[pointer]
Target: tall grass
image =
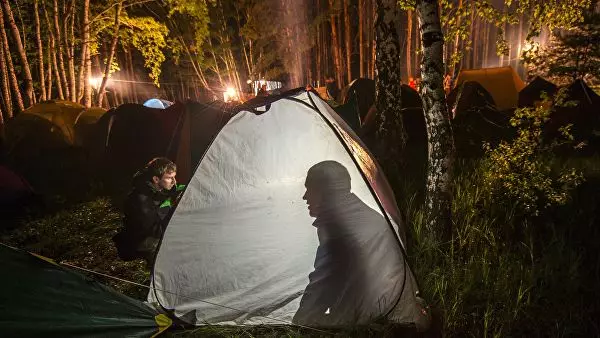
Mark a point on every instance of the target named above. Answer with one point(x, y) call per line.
point(507, 274)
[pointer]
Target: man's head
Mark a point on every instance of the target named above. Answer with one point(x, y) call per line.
point(325, 182)
point(161, 172)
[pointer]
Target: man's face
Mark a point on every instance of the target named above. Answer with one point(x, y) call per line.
point(313, 198)
point(166, 182)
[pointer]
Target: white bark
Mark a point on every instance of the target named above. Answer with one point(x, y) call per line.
point(388, 82)
point(439, 132)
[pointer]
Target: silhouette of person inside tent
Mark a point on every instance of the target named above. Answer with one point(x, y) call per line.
point(358, 264)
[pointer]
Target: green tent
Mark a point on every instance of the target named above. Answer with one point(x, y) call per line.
point(42, 298)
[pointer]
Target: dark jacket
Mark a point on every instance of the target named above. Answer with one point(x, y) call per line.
point(146, 212)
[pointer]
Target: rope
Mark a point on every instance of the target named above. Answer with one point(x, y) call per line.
point(192, 298)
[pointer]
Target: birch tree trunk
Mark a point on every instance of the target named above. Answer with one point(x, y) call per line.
point(12, 77)
point(38, 38)
point(85, 90)
point(348, 41)
point(5, 80)
point(60, 52)
point(388, 102)
point(439, 132)
point(22, 55)
point(111, 54)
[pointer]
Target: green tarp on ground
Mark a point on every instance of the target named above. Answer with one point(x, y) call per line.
point(40, 298)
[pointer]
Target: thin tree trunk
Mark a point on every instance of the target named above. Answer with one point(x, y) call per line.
point(520, 45)
point(408, 43)
point(469, 56)
point(5, 79)
point(388, 96)
point(439, 132)
point(54, 64)
point(26, 71)
point(486, 44)
point(348, 41)
point(49, 75)
point(61, 62)
point(476, 39)
point(335, 45)
point(113, 47)
point(373, 38)
point(319, 47)
point(12, 77)
point(38, 38)
point(69, 49)
point(501, 58)
point(456, 39)
point(361, 46)
point(84, 47)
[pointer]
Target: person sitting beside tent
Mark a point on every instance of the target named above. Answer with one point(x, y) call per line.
point(146, 209)
point(263, 90)
point(346, 282)
point(332, 89)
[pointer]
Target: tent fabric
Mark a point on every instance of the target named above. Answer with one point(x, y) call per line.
point(242, 247)
point(158, 103)
point(584, 116)
point(40, 298)
point(199, 126)
point(132, 134)
point(502, 83)
point(467, 96)
point(361, 91)
point(64, 115)
point(532, 93)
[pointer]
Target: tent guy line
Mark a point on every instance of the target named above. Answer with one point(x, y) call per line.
point(192, 298)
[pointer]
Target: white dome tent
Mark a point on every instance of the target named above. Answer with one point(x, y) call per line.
point(158, 103)
point(243, 248)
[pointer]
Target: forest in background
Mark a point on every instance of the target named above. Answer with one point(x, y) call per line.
point(132, 50)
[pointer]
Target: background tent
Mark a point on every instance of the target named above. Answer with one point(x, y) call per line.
point(40, 298)
point(158, 103)
point(241, 243)
point(44, 144)
point(128, 137)
point(584, 116)
point(131, 135)
point(62, 115)
point(502, 83)
point(361, 91)
point(532, 93)
point(469, 95)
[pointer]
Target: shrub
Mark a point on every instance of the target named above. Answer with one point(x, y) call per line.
point(521, 170)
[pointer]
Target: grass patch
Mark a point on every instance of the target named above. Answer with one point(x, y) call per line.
point(81, 235)
point(505, 274)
